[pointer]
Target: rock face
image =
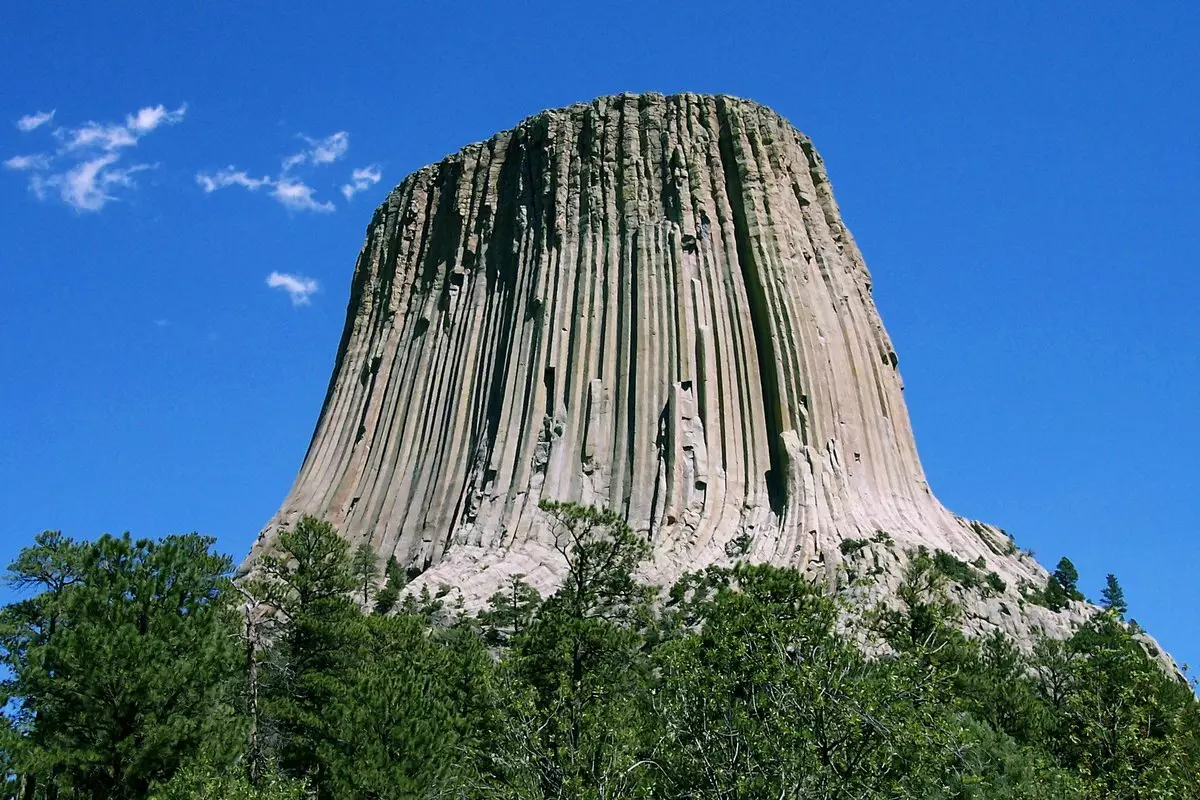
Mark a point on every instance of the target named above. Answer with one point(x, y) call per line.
point(645, 302)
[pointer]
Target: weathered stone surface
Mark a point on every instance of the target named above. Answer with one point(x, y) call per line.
point(646, 302)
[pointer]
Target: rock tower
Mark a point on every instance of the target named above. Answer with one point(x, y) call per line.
point(644, 302)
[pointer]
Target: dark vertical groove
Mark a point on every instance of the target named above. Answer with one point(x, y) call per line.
point(501, 274)
point(760, 321)
point(631, 399)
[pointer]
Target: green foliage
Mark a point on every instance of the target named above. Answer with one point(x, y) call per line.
point(1125, 726)
point(1054, 596)
point(121, 665)
point(602, 554)
point(321, 636)
point(994, 766)
point(573, 682)
point(210, 782)
point(364, 567)
point(509, 612)
point(394, 580)
point(956, 569)
point(995, 583)
point(1113, 596)
point(1067, 577)
point(851, 546)
point(967, 575)
point(1060, 589)
point(397, 723)
point(765, 697)
point(745, 683)
point(925, 619)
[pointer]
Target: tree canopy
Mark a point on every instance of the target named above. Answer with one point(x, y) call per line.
point(136, 669)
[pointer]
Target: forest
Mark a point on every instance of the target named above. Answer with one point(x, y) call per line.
point(137, 668)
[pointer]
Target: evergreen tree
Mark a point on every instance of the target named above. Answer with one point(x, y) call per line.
point(320, 637)
point(574, 684)
point(763, 696)
point(403, 723)
point(1067, 577)
point(510, 611)
point(925, 621)
point(602, 554)
point(123, 665)
point(206, 781)
point(1053, 596)
point(1125, 725)
point(120, 683)
point(1113, 596)
point(394, 580)
point(365, 568)
point(997, 688)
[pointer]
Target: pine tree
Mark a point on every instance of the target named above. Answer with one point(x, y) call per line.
point(1126, 725)
point(402, 721)
point(365, 568)
point(123, 665)
point(575, 677)
point(1067, 577)
point(764, 695)
point(321, 637)
point(394, 580)
point(510, 611)
point(1113, 596)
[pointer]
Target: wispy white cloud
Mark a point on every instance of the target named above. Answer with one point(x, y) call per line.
point(230, 176)
point(35, 120)
point(150, 117)
point(331, 148)
point(88, 185)
point(298, 195)
point(298, 287)
point(113, 135)
point(290, 191)
point(320, 151)
point(35, 161)
point(362, 178)
point(85, 170)
point(95, 135)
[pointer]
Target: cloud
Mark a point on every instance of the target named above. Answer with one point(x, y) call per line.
point(362, 178)
point(94, 135)
point(113, 135)
point(87, 186)
point(298, 196)
point(150, 117)
point(330, 149)
point(230, 176)
point(321, 151)
point(86, 170)
point(298, 287)
point(31, 121)
point(35, 161)
point(290, 191)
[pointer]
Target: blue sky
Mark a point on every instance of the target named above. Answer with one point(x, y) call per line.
point(1023, 179)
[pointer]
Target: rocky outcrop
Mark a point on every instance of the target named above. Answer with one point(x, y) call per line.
point(645, 302)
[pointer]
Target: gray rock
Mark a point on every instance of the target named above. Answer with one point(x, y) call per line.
point(644, 302)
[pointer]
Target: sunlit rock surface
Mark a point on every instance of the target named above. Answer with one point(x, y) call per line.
point(645, 302)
